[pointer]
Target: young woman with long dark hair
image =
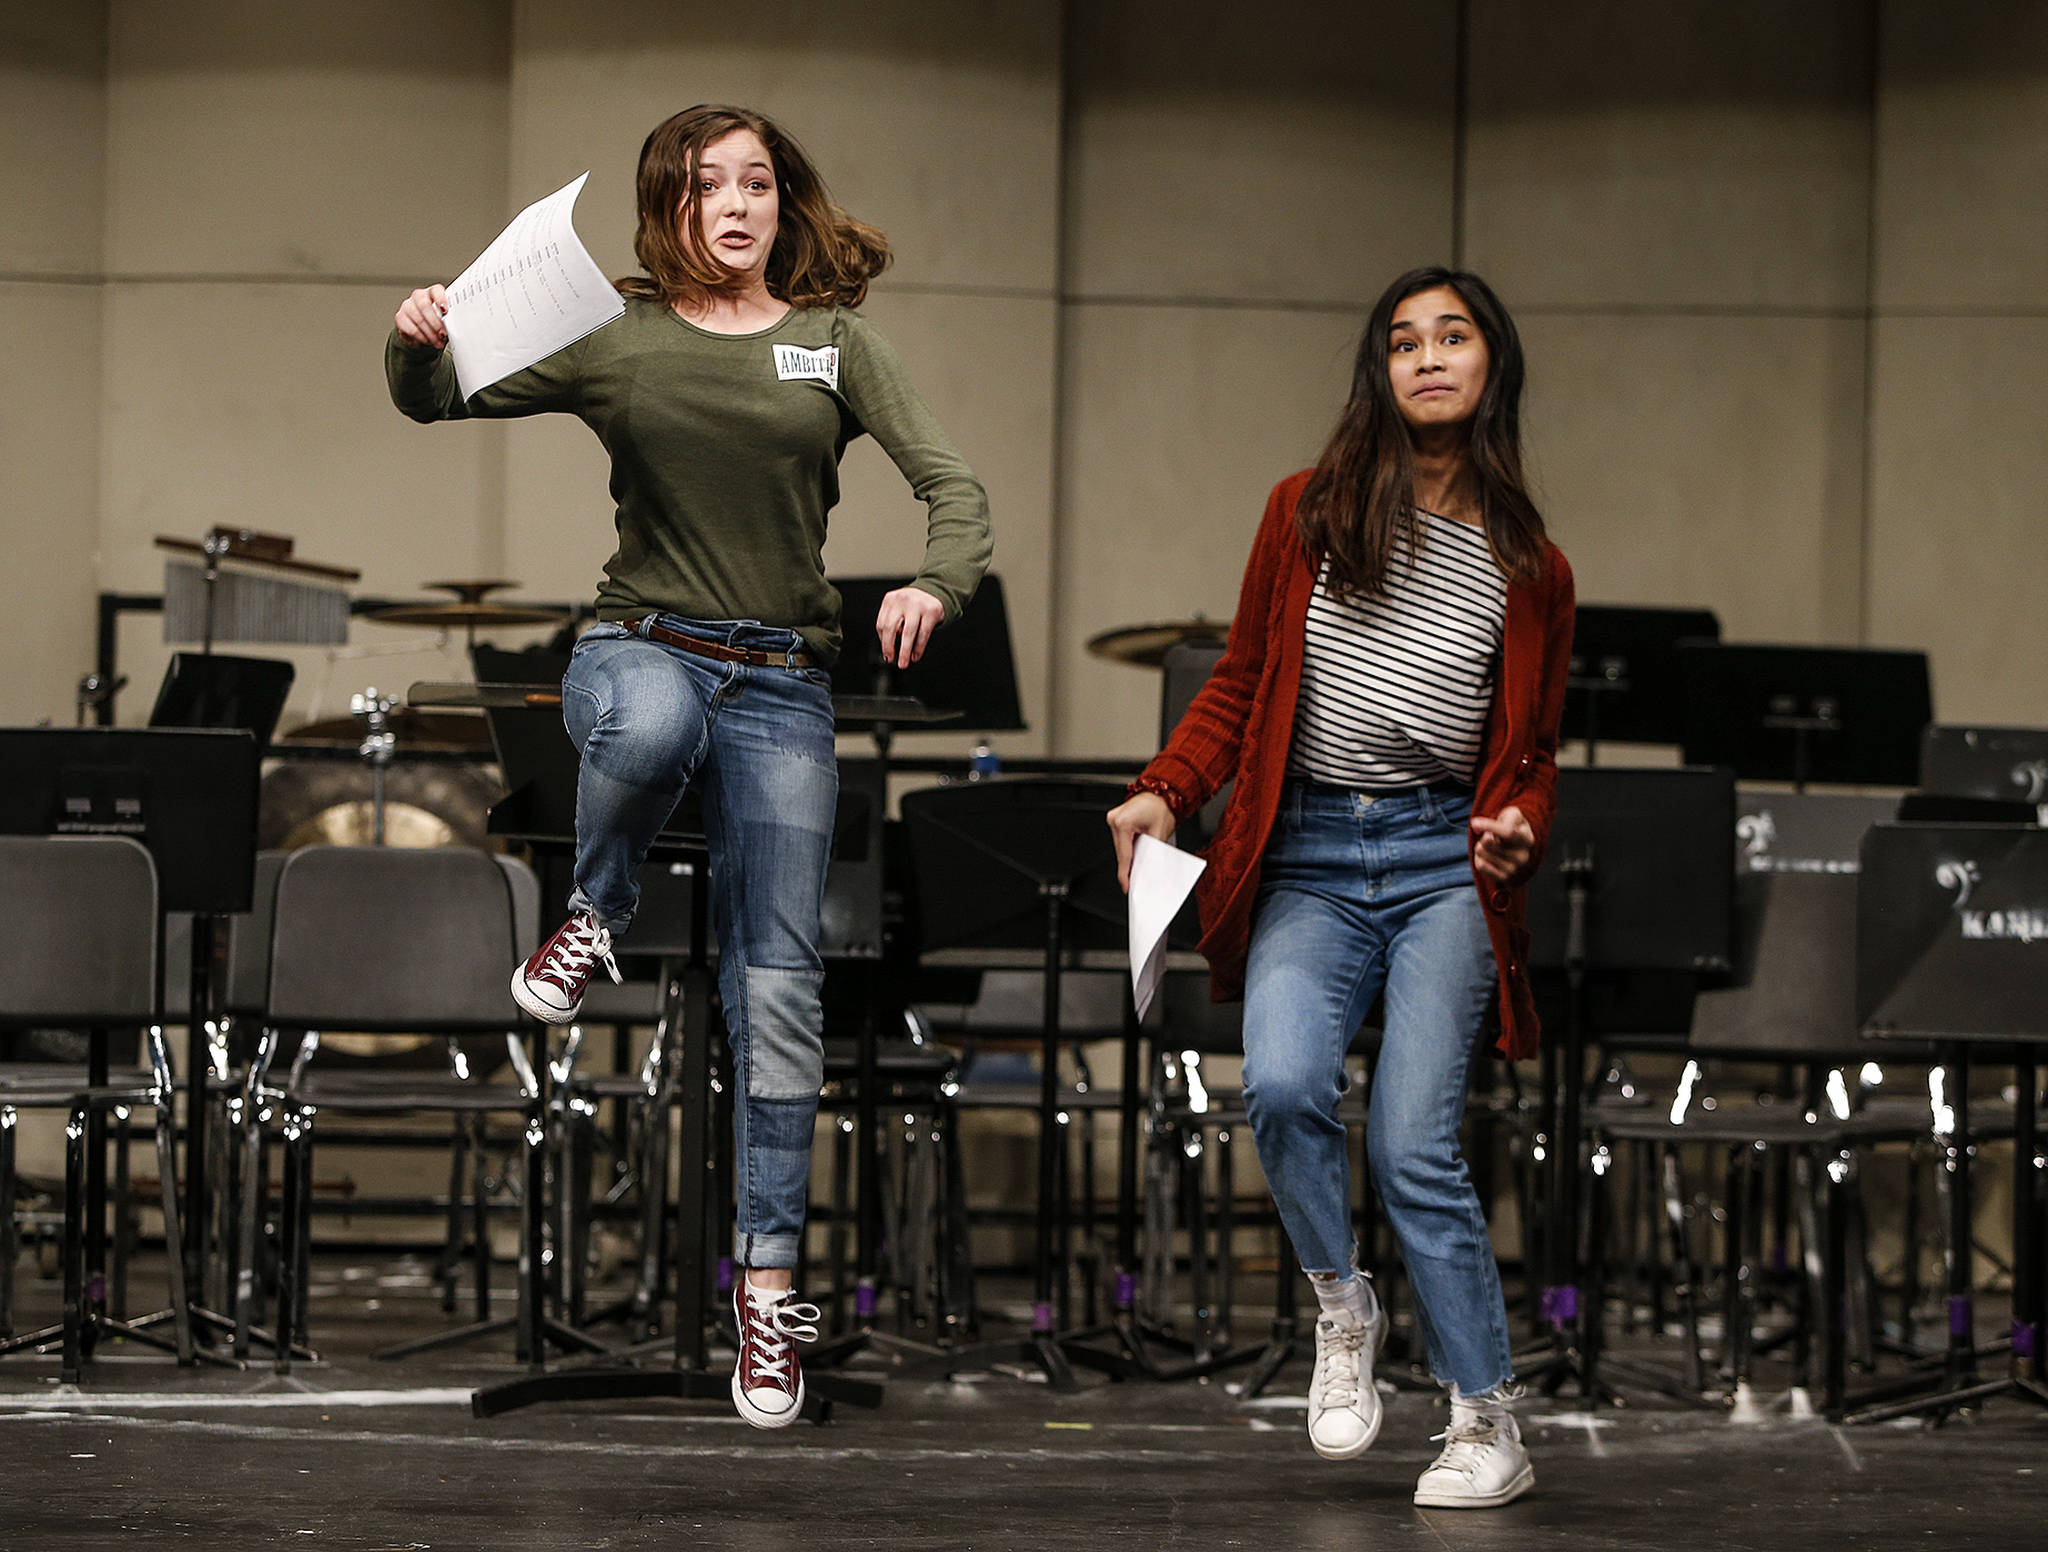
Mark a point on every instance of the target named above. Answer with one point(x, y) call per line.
point(1388, 709)
point(725, 397)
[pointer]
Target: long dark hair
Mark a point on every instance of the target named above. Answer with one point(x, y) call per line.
point(1362, 494)
point(821, 255)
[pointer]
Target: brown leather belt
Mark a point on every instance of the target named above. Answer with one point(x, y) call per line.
point(650, 627)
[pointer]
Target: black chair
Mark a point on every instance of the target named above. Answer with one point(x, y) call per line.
point(379, 939)
point(97, 897)
point(1789, 1003)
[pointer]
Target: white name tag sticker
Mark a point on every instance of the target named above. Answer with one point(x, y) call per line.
point(793, 361)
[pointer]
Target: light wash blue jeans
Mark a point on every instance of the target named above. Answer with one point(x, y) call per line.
point(1360, 895)
point(649, 718)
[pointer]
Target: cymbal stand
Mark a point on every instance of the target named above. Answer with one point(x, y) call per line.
point(378, 745)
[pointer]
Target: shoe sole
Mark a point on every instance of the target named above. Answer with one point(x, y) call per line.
point(533, 1005)
point(759, 1418)
point(1379, 1413)
point(1524, 1480)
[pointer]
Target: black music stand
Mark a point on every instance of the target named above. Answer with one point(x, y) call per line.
point(212, 690)
point(1973, 775)
point(1020, 866)
point(1605, 905)
point(1952, 946)
point(1624, 683)
point(968, 667)
point(1805, 714)
point(966, 682)
point(189, 796)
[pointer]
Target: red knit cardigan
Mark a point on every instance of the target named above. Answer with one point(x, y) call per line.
point(1241, 725)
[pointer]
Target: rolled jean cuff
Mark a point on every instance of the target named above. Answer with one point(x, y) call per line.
point(764, 1252)
point(1505, 1392)
point(580, 904)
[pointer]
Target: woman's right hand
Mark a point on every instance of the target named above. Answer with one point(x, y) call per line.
point(1144, 813)
point(419, 318)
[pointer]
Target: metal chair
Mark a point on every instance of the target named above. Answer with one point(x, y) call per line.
point(1790, 1000)
point(378, 939)
point(96, 897)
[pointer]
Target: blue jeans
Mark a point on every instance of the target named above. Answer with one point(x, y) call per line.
point(1361, 895)
point(649, 718)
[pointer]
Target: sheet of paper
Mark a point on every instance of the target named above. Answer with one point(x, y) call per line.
point(534, 290)
point(1161, 876)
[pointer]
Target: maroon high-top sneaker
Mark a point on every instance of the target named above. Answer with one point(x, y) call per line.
point(550, 984)
point(768, 1380)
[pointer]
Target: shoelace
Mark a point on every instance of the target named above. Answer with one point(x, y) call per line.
point(1465, 1443)
point(575, 946)
point(770, 1330)
point(1340, 1381)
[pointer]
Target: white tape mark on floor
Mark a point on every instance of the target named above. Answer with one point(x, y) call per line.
point(247, 1401)
point(1590, 1426)
point(827, 1449)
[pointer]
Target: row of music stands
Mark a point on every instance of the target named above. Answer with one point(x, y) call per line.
point(1634, 906)
point(1952, 947)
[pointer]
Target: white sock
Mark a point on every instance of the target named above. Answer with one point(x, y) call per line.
point(1345, 1297)
point(757, 1294)
point(1496, 1406)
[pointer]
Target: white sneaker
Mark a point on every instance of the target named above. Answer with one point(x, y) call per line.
point(1343, 1401)
point(1483, 1464)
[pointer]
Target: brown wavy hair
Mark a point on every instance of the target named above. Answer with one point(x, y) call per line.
point(822, 256)
point(1362, 493)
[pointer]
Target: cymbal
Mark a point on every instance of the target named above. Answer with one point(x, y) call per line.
point(415, 730)
point(1145, 645)
point(471, 592)
point(442, 692)
point(469, 616)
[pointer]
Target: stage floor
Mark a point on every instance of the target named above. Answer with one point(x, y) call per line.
point(355, 1453)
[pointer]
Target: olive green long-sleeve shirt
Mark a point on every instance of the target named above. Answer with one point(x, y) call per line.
point(725, 456)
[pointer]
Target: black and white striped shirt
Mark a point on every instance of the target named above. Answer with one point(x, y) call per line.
point(1395, 688)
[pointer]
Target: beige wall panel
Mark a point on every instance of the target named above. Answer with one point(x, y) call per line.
point(986, 367)
point(558, 511)
point(1709, 153)
point(49, 434)
point(1962, 156)
point(1292, 152)
point(1178, 422)
point(937, 122)
point(1958, 553)
point(206, 423)
point(53, 123)
point(253, 138)
point(1704, 461)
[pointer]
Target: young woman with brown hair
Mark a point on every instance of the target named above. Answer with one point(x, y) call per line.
point(725, 397)
point(1388, 709)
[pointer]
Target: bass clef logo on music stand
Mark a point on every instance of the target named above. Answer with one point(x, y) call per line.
point(1756, 832)
point(1962, 877)
point(2032, 776)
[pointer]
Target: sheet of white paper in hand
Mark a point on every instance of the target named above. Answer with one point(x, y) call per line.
point(534, 290)
point(1161, 876)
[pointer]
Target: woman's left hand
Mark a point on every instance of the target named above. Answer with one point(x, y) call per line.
point(1505, 845)
point(906, 622)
